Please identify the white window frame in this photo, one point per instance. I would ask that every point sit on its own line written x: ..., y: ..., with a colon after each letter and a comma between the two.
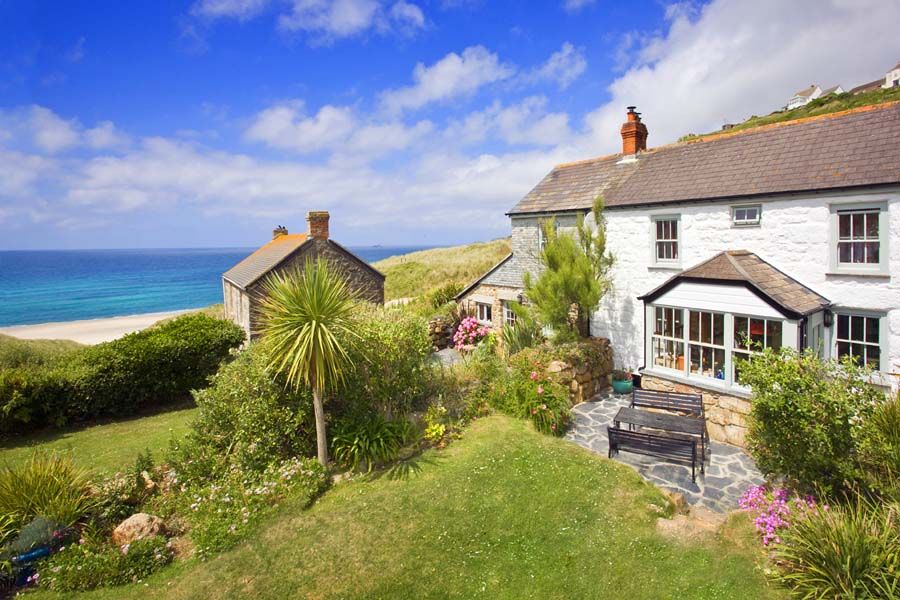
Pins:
x: 736, y: 210
x: 667, y: 339
x: 879, y: 268
x: 665, y: 262
x: 509, y: 317
x: 726, y: 363
x: 883, y: 333
x: 788, y: 339
x: 478, y: 313
x: 748, y: 352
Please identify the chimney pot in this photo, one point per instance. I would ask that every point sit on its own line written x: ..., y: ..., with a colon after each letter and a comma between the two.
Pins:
x: 634, y: 133
x: 279, y: 231
x: 318, y: 224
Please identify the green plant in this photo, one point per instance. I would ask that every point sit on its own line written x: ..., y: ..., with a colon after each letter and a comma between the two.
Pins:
x: 435, y: 432
x: 847, y: 551
x: 575, y: 275
x: 47, y: 485
x: 805, y: 418
x: 436, y: 418
x: 444, y: 294
x: 525, y: 333
x: 879, y: 448
x: 156, y: 366
x: 7, y: 528
x: 85, y: 566
x: 308, y: 317
x: 621, y: 375
x: 368, y: 441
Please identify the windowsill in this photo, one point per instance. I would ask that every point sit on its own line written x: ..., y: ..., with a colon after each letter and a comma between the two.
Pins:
x: 704, y: 383
x: 665, y: 267
x: 850, y: 273
x: 745, y: 225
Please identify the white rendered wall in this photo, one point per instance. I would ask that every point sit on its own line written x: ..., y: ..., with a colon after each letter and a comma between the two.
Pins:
x: 793, y: 236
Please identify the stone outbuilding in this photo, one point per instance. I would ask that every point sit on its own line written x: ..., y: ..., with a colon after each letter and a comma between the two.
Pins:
x: 243, y: 284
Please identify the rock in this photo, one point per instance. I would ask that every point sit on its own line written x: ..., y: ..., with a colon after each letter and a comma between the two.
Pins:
x: 149, y: 484
x: 137, y: 527
x: 679, y: 502
x: 557, y: 366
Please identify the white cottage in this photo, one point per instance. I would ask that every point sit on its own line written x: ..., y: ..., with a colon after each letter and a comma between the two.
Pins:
x: 734, y: 242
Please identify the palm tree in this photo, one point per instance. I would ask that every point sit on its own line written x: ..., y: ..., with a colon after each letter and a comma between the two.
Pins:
x: 307, y: 318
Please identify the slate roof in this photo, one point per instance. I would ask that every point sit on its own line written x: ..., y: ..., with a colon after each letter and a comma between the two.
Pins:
x: 741, y: 266
x: 263, y: 260
x: 872, y: 85
x: 830, y: 90
x: 806, y: 91
x: 858, y: 147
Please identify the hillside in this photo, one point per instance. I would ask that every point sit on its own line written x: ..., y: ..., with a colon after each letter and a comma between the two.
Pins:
x: 15, y: 352
x: 821, y: 106
x: 420, y: 272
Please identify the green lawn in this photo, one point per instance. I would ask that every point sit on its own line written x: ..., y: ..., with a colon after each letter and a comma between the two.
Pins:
x: 503, y: 513
x: 107, y: 447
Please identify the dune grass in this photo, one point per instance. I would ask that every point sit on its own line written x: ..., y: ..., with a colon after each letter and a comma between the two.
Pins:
x: 504, y: 512
x: 420, y: 272
x: 106, y: 447
x: 15, y: 352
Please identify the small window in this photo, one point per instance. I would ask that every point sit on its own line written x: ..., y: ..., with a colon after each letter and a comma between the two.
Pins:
x: 542, y: 239
x: 509, y: 317
x: 859, y: 337
x: 666, y: 240
x: 745, y: 216
x: 483, y: 314
x: 860, y: 239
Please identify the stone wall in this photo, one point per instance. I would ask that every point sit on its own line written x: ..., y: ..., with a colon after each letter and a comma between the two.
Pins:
x: 726, y: 416
x: 493, y: 294
x: 440, y: 330
x: 585, y: 379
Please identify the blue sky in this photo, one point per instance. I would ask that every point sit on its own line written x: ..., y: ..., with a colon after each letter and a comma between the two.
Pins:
x: 207, y: 122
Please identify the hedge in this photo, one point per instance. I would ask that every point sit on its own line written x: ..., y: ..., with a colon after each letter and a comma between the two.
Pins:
x: 153, y: 367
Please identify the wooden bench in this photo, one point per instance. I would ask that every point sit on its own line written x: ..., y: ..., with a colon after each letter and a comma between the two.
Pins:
x: 664, y: 446
x: 689, y: 404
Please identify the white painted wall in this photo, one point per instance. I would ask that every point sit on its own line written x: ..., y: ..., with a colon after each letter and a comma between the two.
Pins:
x: 794, y: 236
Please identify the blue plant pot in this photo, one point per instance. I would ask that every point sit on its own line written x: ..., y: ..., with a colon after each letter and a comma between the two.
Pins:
x: 622, y: 387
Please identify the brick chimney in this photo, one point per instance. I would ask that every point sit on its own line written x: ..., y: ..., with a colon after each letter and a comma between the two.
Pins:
x: 634, y: 133
x: 318, y: 224
x: 279, y: 231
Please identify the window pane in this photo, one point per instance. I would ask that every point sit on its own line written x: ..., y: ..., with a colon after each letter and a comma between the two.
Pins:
x: 741, y: 325
x: 674, y: 250
x: 706, y: 327
x: 872, y: 252
x: 659, y: 230
x: 873, y: 357
x: 844, y: 252
x: 673, y: 230
x: 719, y: 364
x: 843, y: 349
x: 757, y: 334
x: 752, y: 214
x: 695, y: 359
x: 843, y: 322
x: 773, y: 334
x: 844, y: 227
x: 872, y: 225
x: 719, y: 330
x: 694, y: 327
x: 858, y: 227
x: 872, y: 330
x: 856, y: 328
x: 858, y: 250
x: 678, y: 320
x: 658, y: 328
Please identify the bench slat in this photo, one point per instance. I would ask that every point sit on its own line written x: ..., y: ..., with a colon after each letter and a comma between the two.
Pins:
x: 654, y: 445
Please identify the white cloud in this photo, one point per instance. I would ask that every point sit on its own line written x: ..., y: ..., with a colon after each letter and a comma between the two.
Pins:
x: 76, y: 53
x: 573, y: 6
x: 563, y: 67
x: 409, y: 14
x: 241, y: 10
x: 105, y: 135
x: 50, y: 132
x: 452, y: 76
x: 285, y: 126
x: 523, y: 123
x: 734, y: 59
x: 328, y: 20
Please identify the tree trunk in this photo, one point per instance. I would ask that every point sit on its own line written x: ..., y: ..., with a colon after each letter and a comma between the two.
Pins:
x: 321, y: 438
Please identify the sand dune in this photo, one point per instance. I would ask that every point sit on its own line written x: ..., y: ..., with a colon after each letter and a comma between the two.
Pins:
x: 90, y: 331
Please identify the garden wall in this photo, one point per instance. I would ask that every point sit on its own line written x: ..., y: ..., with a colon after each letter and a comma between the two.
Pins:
x: 726, y: 416
x: 585, y: 367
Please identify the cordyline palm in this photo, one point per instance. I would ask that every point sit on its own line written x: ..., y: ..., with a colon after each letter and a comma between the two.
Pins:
x: 305, y: 316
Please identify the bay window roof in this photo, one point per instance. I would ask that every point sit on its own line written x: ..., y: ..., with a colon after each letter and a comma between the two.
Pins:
x: 740, y: 267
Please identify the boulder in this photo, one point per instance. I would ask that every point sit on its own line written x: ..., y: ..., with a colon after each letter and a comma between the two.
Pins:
x: 137, y: 527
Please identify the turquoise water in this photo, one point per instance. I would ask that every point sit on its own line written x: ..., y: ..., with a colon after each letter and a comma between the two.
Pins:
x: 66, y: 285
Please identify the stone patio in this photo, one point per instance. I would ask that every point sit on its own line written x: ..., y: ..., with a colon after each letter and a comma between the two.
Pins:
x: 729, y: 469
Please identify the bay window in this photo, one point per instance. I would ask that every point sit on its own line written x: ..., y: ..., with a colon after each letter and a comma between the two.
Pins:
x: 668, y: 338
x: 707, y: 344
x: 752, y: 335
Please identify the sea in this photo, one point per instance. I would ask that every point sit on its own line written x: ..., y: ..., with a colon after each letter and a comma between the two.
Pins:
x: 47, y: 286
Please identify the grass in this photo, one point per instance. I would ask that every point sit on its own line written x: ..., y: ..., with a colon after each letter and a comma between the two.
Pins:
x: 820, y: 106
x: 106, y: 447
x: 420, y: 272
x: 503, y: 513
x: 15, y: 352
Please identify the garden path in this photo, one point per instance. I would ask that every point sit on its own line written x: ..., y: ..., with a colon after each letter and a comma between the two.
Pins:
x: 729, y: 471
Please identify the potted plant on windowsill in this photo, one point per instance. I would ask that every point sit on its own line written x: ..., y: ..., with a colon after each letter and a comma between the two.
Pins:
x: 622, y: 382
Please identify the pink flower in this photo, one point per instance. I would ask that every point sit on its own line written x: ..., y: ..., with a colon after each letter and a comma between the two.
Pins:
x: 540, y: 390
x: 534, y: 375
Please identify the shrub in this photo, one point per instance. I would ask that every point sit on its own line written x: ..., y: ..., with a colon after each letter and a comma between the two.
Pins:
x: 50, y: 486
x: 151, y: 367
x: 847, y: 551
x: 19, y: 353
x: 806, y: 414
x: 369, y: 441
x: 469, y: 334
x: 444, y: 294
x: 880, y: 448
x: 119, y: 496
x: 85, y: 566
x: 249, y: 417
x: 525, y: 333
x: 220, y: 513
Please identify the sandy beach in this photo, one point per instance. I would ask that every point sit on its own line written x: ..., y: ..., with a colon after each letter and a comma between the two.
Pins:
x: 89, y: 331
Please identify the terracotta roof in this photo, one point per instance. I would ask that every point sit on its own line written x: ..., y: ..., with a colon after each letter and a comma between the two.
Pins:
x: 857, y: 147
x: 263, y: 260
x: 806, y: 91
x: 741, y: 266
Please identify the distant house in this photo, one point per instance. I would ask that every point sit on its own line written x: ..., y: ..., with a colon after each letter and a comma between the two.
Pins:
x: 243, y: 284
x: 807, y: 95
x: 892, y: 77
x: 867, y: 87
x: 729, y: 244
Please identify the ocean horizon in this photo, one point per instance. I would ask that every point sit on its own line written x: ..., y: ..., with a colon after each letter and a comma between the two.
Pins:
x: 50, y: 286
